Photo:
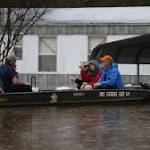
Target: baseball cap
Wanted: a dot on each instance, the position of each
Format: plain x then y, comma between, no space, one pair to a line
11,56
107,58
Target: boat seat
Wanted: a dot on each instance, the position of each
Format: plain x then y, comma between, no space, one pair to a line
65,88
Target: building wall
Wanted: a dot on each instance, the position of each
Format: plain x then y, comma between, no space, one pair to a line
30,50
91,29
71,50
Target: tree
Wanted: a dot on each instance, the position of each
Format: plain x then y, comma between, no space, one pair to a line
14,24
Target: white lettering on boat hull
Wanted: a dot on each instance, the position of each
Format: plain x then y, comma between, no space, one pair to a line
114,94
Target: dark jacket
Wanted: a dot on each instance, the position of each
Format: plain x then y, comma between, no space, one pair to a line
7,73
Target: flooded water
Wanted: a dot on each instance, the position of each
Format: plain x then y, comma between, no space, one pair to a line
75,128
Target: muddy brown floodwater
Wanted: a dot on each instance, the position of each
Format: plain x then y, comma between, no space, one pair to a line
75,128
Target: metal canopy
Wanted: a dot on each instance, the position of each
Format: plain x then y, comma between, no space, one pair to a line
73,3
129,51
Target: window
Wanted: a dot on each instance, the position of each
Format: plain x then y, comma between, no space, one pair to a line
94,41
18,49
47,54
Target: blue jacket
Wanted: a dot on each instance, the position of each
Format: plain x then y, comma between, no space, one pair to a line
112,77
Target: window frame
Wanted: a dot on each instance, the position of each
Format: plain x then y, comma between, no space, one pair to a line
40,54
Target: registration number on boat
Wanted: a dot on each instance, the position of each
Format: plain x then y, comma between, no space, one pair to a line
114,94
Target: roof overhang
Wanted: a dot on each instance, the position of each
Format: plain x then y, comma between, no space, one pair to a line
129,51
73,3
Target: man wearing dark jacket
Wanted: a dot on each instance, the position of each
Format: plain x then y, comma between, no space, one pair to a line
9,76
111,78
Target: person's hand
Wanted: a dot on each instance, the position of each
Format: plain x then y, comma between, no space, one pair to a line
72,79
84,83
96,85
82,87
81,66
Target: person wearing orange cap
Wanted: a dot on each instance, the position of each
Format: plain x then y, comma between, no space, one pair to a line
110,78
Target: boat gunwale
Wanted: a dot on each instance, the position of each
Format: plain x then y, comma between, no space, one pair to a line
71,91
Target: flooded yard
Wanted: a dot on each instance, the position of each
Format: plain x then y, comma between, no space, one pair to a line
75,128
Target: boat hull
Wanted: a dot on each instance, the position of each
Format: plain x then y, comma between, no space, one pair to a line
53,98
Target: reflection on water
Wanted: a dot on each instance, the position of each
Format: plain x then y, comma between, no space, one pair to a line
75,128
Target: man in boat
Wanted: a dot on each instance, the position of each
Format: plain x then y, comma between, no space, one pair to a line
111,78
90,74
9,76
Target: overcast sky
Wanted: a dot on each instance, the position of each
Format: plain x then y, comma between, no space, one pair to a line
99,15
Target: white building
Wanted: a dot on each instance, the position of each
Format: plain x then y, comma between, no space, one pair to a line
65,37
